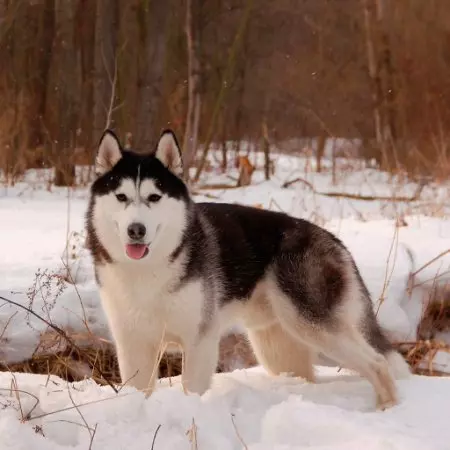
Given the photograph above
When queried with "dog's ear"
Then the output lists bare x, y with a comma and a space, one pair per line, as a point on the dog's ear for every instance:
109, 153
169, 153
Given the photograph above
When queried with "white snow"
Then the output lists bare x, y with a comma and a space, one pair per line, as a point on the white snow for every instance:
41, 232
268, 413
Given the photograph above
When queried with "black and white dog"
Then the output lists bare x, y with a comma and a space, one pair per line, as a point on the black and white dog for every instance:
172, 270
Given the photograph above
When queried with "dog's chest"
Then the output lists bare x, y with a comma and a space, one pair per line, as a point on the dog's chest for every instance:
148, 300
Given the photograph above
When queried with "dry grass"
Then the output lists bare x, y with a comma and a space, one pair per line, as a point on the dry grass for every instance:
436, 318
96, 358
91, 358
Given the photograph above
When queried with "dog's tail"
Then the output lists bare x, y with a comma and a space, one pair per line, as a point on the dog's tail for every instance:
399, 367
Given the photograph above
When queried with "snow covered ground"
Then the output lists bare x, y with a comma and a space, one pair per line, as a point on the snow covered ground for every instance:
244, 409
41, 233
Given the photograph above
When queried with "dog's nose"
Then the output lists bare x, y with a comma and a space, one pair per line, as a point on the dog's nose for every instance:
136, 230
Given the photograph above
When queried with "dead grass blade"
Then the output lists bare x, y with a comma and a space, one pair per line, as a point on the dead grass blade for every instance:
430, 262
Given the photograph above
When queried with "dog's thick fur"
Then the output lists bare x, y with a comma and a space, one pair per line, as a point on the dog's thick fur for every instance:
208, 266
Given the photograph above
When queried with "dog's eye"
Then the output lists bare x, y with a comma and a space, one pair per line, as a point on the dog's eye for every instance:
121, 197
153, 198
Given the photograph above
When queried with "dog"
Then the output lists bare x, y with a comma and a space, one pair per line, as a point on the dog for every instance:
173, 270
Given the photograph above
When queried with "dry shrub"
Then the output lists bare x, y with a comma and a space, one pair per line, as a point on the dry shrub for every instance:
420, 356
435, 319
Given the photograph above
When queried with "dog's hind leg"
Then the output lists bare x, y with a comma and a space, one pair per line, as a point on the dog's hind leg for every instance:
351, 349
343, 342
278, 352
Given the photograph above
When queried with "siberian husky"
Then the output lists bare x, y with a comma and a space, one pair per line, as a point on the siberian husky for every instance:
173, 270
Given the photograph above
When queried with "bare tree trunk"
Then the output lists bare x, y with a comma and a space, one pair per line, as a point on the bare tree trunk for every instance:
266, 149
194, 97
387, 81
224, 144
86, 22
320, 151
381, 71
265, 140
377, 96
229, 70
45, 38
67, 92
333, 159
153, 33
107, 17
20, 133
197, 112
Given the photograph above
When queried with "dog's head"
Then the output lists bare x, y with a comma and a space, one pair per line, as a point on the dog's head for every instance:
136, 199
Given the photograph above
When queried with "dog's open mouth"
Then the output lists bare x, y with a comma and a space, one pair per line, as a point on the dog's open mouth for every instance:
136, 251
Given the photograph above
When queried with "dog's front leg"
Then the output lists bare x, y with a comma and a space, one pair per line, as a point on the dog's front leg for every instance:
137, 357
200, 363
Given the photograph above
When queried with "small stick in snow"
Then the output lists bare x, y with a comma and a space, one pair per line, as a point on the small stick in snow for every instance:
192, 434
15, 389
93, 436
20, 391
79, 412
154, 436
237, 433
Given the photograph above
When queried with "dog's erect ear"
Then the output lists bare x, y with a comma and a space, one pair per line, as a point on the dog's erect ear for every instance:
108, 154
169, 153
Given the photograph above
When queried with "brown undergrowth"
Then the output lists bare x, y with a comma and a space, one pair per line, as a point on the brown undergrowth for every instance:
433, 332
95, 358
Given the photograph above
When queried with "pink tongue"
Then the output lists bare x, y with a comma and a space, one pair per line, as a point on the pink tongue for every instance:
136, 251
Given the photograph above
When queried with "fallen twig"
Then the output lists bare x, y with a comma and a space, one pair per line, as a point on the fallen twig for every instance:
296, 180
385, 198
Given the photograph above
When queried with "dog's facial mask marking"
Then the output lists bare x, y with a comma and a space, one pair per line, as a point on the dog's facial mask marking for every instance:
139, 196
138, 209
